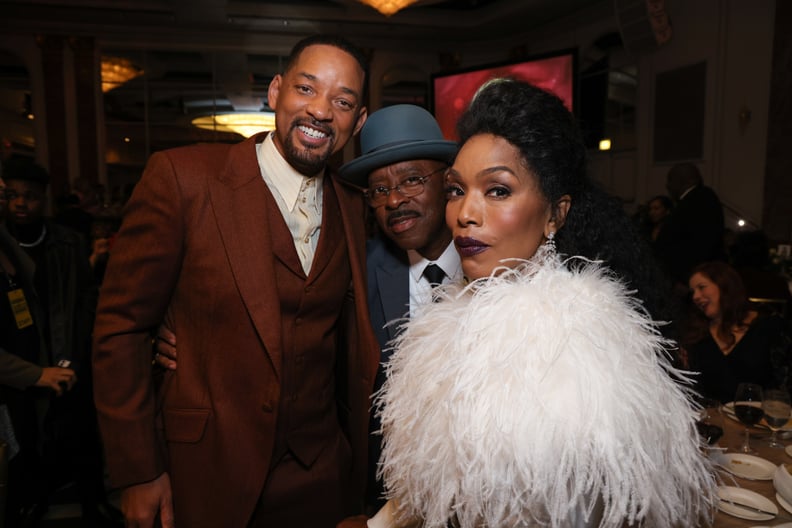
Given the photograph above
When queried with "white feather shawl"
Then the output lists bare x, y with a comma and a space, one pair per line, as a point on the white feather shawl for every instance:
537, 397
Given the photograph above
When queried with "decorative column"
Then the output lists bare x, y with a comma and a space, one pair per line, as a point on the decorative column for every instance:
87, 81
52, 47
777, 214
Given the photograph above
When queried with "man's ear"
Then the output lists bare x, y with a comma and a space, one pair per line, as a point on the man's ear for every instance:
273, 91
559, 214
361, 120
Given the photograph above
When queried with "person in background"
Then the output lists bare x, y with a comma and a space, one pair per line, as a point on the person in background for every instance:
657, 212
69, 213
253, 254
693, 232
90, 196
537, 391
27, 383
44, 373
727, 342
402, 170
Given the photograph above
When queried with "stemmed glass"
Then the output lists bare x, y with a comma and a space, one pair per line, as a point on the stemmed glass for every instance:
748, 408
777, 411
710, 422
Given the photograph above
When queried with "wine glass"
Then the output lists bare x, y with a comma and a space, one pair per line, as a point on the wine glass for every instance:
777, 410
710, 422
748, 408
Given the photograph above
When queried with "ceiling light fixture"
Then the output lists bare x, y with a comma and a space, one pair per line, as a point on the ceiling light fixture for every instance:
243, 123
117, 71
388, 7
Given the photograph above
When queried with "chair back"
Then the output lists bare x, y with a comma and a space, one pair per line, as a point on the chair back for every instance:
770, 306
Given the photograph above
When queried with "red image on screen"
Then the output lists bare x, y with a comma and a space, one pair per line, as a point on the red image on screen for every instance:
453, 92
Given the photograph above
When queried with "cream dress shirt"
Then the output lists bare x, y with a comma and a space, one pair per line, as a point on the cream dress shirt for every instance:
299, 199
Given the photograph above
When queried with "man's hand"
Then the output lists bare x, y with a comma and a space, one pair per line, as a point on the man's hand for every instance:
58, 379
165, 348
100, 249
143, 502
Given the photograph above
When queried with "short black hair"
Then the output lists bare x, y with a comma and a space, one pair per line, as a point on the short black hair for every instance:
664, 200
336, 41
686, 173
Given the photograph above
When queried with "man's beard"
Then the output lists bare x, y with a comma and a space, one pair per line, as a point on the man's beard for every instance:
306, 161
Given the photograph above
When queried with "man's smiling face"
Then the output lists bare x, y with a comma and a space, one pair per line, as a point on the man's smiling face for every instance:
317, 105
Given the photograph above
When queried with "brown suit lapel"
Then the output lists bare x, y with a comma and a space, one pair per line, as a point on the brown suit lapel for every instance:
239, 201
331, 239
283, 243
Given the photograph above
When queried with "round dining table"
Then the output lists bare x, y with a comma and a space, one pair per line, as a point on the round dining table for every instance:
730, 442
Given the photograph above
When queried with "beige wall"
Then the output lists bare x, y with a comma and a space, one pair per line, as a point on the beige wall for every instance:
734, 37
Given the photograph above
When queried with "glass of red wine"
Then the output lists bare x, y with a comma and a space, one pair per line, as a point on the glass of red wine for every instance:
710, 422
748, 408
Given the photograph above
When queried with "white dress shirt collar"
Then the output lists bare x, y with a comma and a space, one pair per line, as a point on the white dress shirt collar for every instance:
283, 176
448, 262
687, 191
420, 289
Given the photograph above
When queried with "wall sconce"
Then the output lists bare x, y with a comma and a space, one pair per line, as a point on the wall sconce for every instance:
388, 7
117, 71
744, 118
243, 123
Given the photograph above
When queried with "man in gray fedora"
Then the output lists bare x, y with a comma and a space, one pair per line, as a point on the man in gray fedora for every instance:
402, 173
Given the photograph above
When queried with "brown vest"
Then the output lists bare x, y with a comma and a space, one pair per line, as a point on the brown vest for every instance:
310, 306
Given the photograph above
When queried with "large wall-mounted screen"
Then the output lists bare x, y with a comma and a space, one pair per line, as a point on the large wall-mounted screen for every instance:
451, 92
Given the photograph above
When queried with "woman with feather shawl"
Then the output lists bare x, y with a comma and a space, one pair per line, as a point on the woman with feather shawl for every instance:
539, 393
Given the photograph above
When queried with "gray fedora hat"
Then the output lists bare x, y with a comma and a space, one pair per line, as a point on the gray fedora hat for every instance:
393, 134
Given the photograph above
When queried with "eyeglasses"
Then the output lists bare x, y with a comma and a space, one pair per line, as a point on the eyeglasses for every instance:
408, 187
29, 196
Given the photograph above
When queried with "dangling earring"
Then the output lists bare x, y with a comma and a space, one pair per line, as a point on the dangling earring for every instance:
550, 244
546, 251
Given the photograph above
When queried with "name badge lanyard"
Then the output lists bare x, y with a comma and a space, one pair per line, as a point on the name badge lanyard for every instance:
19, 305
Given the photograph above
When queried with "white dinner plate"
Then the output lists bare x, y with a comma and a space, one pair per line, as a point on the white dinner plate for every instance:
782, 525
728, 410
747, 466
784, 504
744, 496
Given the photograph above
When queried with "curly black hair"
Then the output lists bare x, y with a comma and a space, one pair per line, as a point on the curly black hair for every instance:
552, 147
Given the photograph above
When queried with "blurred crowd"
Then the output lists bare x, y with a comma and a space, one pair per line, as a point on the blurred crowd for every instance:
50, 270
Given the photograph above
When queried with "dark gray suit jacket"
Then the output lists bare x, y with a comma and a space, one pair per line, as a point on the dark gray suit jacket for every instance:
388, 271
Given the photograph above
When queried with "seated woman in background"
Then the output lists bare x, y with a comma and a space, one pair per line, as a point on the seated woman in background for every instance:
538, 393
727, 342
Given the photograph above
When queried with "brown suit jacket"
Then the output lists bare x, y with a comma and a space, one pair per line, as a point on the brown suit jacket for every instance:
195, 248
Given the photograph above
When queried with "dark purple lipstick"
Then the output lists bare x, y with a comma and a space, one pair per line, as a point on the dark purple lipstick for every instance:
467, 246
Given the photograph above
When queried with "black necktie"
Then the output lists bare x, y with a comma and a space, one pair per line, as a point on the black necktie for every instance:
434, 274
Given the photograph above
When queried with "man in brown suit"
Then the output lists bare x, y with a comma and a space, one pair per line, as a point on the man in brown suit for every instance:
253, 254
